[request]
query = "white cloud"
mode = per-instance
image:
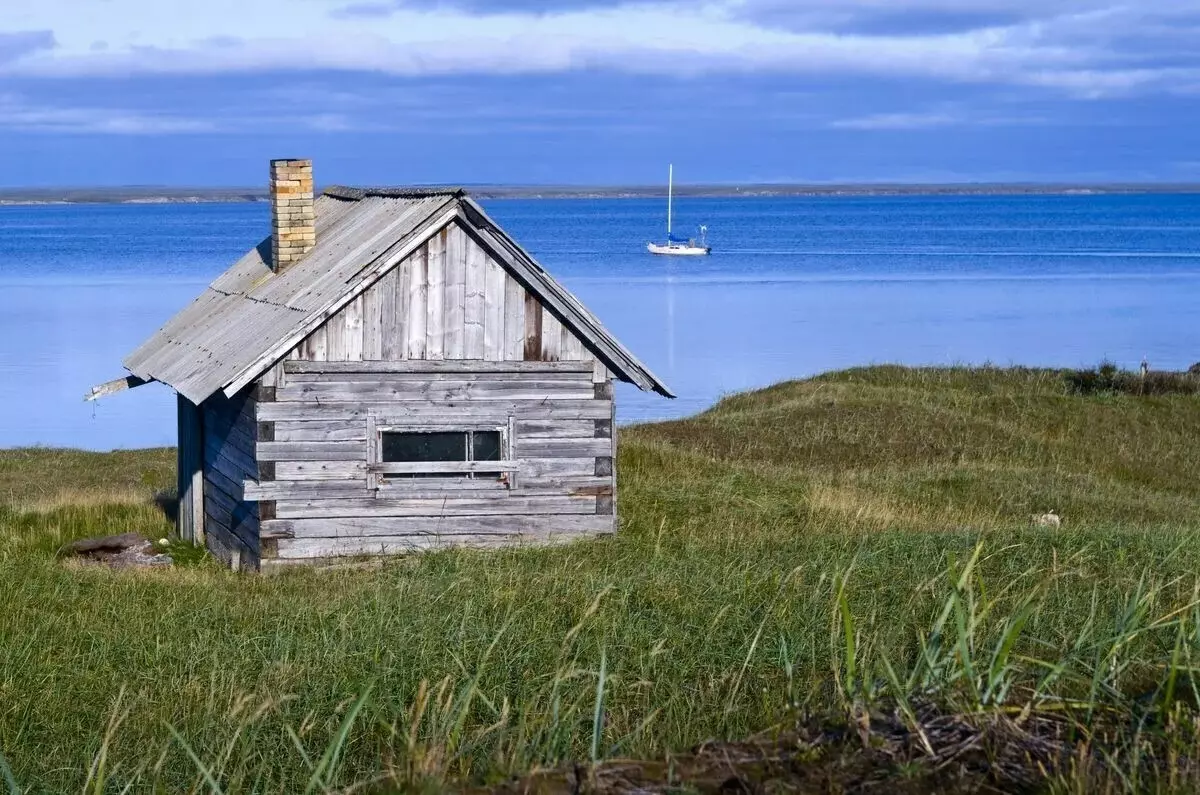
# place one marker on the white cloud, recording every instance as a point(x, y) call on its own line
point(1064, 45)
point(944, 116)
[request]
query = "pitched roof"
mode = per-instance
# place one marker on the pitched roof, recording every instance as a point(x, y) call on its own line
point(250, 316)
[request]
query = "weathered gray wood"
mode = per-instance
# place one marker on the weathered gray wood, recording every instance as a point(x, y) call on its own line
point(456, 293)
point(218, 481)
point(475, 333)
point(435, 315)
point(428, 409)
point(305, 490)
point(418, 303)
point(114, 386)
point(537, 471)
point(533, 329)
point(190, 471)
point(332, 301)
point(552, 332)
point(320, 470)
point(532, 375)
point(234, 470)
point(433, 391)
point(320, 431)
point(396, 526)
point(312, 451)
point(500, 504)
point(514, 320)
point(328, 551)
point(442, 366)
point(562, 447)
point(316, 346)
point(393, 301)
point(437, 467)
point(238, 461)
point(372, 302)
point(352, 337)
point(572, 346)
point(494, 314)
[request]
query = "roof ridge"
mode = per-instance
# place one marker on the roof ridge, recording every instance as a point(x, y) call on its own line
point(394, 192)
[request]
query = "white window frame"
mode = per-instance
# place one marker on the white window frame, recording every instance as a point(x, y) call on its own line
point(457, 473)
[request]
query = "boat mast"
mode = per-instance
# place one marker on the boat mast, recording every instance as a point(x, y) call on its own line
point(670, 196)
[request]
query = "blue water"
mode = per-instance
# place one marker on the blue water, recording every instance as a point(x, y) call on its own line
point(794, 287)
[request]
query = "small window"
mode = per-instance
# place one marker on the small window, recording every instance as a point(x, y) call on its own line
point(441, 446)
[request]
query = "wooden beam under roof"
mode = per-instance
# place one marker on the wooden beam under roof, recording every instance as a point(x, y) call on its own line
point(114, 386)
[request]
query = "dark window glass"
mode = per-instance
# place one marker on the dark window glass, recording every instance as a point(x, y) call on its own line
point(438, 446)
point(486, 446)
point(442, 446)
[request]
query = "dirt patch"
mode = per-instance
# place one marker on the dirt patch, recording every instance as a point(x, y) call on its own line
point(125, 551)
point(873, 754)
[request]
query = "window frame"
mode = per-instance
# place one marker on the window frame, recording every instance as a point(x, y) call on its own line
point(446, 475)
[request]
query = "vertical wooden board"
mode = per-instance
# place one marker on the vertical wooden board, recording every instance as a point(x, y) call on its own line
point(390, 320)
point(335, 333)
point(493, 329)
point(314, 347)
point(352, 338)
point(190, 472)
point(533, 329)
point(572, 347)
point(456, 292)
point(435, 315)
point(551, 336)
point(474, 341)
point(414, 321)
point(373, 301)
point(514, 320)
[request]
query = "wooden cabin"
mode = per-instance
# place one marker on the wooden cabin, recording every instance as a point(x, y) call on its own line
point(388, 372)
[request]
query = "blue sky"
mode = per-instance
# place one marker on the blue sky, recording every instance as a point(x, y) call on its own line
point(116, 92)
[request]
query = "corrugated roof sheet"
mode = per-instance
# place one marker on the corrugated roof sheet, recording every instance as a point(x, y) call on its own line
point(249, 309)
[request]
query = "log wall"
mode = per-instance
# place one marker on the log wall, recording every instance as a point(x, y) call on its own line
point(325, 500)
point(231, 525)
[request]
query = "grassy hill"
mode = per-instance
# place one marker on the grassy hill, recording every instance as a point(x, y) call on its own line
point(849, 555)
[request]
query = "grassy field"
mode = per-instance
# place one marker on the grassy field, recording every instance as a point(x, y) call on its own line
point(849, 551)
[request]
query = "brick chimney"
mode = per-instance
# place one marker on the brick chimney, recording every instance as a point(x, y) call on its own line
point(293, 219)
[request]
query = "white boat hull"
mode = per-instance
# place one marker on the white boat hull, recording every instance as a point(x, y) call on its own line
point(678, 250)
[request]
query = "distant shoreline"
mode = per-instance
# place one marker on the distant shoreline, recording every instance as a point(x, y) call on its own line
point(161, 195)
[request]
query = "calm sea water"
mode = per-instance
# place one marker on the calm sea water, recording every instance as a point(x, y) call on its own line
point(794, 287)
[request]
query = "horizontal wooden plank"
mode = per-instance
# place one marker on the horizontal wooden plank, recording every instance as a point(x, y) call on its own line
point(516, 377)
point(500, 503)
point(552, 429)
point(312, 451)
point(321, 431)
point(320, 470)
point(306, 489)
point(589, 409)
point(331, 550)
point(434, 391)
point(563, 448)
point(534, 470)
point(448, 486)
point(438, 467)
point(235, 471)
point(438, 366)
point(364, 528)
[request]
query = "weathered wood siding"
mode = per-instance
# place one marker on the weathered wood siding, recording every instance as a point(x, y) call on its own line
point(190, 471)
point(448, 300)
point(231, 523)
point(315, 435)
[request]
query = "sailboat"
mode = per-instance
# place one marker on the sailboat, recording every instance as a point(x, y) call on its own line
point(679, 246)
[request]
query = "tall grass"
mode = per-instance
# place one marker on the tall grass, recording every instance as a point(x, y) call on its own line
point(840, 549)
